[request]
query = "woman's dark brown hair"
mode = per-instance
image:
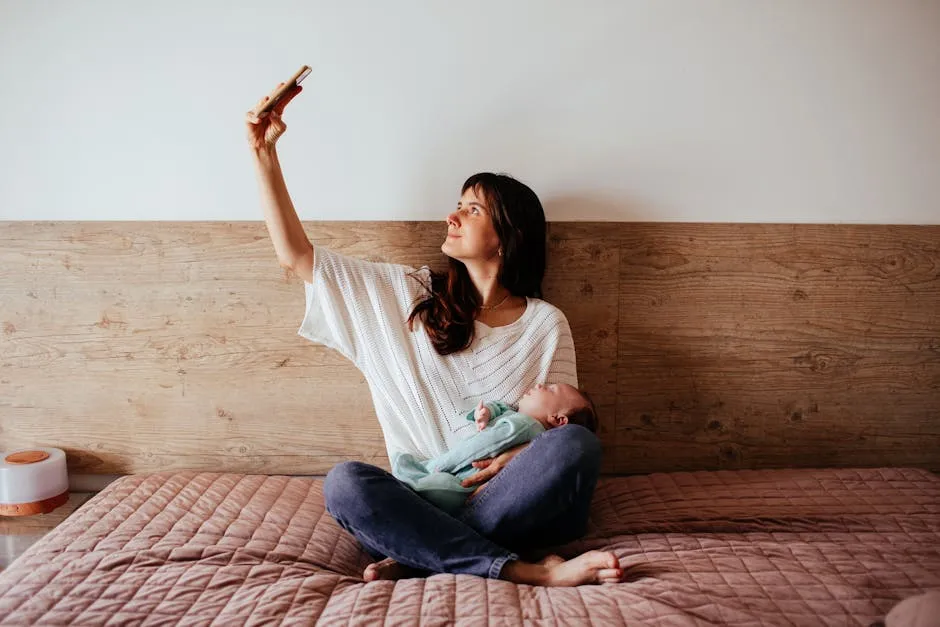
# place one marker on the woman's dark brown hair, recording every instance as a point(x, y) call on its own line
point(448, 311)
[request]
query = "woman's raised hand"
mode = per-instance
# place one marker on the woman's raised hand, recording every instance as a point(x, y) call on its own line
point(264, 132)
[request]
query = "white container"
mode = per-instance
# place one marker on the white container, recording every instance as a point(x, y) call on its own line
point(32, 481)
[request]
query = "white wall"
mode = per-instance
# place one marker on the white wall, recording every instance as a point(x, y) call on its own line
point(690, 110)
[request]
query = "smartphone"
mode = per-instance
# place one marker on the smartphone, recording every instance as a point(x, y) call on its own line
point(281, 91)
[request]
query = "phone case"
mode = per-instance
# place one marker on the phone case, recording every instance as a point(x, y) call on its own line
point(281, 91)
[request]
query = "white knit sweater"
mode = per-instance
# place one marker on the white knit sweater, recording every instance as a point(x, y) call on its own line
point(360, 308)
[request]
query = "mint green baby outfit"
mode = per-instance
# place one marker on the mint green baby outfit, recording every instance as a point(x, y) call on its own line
point(438, 479)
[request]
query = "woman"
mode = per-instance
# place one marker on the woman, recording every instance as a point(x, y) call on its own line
point(431, 346)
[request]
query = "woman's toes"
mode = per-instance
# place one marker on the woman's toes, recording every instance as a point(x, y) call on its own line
point(609, 575)
point(612, 561)
point(371, 573)
point(603, 559)
point(388, 568)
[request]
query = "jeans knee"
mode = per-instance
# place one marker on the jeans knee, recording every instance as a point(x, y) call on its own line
point(575, 447)
point(344, 484)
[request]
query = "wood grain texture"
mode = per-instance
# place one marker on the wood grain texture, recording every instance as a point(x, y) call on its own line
point(139, 347)
point(747, 346)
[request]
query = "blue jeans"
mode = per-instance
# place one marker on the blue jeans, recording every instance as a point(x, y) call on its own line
point(540, 499)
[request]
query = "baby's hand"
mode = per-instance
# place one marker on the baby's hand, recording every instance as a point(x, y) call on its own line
point(481, 416)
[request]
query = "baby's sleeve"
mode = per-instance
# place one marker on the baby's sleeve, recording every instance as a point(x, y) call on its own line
point(352, 304)
point(509, 430)
point(497, 409)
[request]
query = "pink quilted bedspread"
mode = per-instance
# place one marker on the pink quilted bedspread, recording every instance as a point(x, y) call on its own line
point(772, 547)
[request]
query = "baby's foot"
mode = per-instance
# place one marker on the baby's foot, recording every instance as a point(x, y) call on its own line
point(388, 569)
point(590, 567)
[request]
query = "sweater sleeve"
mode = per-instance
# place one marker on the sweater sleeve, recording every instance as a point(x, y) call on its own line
point(352, 302)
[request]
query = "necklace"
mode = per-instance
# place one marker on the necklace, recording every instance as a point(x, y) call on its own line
point(497, 304)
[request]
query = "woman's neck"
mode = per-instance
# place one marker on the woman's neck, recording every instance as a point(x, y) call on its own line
point(485, 279)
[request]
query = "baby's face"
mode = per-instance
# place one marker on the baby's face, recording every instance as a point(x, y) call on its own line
point(542, 401)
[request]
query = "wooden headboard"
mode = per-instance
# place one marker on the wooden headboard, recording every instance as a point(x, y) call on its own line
point(140, 347)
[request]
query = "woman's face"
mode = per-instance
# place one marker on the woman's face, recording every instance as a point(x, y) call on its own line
point(470, 232)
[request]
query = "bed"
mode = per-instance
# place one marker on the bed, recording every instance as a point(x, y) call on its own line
point(717, 354)
point(728, 547)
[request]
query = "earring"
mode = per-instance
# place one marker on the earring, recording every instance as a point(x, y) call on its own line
point(500, 252)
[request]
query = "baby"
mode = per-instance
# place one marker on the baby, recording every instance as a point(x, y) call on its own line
point(542, 407)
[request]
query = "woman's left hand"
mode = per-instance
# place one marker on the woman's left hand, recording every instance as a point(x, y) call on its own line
point(489, 468)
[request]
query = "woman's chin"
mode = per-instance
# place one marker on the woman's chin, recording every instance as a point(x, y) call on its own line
point(449, 250)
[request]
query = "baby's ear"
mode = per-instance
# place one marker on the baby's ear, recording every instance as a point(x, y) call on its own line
point(559, 421)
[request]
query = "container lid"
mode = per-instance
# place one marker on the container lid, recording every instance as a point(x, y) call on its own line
point(26, 457)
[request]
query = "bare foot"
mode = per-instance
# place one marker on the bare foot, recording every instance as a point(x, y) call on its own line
point(551, 560)
point(590, 567)
point(388, 569)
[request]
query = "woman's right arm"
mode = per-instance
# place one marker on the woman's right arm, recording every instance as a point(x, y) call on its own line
point(335, 313)
point(294, 251)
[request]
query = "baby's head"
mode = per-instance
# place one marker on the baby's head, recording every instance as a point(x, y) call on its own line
point(558, 404)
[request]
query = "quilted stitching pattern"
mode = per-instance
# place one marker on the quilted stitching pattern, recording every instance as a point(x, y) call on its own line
point(762, 547)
